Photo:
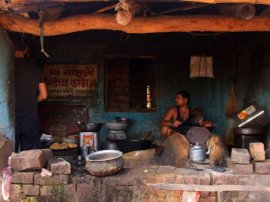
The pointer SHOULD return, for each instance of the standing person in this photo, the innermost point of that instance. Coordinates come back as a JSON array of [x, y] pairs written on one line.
[[30, 89]]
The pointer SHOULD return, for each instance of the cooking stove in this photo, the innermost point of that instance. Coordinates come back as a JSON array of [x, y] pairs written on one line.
[[117, 135]]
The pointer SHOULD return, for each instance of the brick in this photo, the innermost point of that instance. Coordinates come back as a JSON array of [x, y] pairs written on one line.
[[240, 156], [31, 190], [17, 197], [84, 193], [257, 151], [28, 160], [262, 167], [16, 189], [239, 169], [49, 190], [60, 166], [23, 177], [51, 180]]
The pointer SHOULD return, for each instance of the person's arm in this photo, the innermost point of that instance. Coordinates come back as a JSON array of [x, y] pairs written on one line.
[[207, 124], [169, 119], [42, 95]]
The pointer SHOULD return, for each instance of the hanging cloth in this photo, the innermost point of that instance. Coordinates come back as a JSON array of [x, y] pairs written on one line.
[[201, 66]]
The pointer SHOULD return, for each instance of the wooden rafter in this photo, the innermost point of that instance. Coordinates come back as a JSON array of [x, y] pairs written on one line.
[[266, 2], [140, 25], [107, 8]]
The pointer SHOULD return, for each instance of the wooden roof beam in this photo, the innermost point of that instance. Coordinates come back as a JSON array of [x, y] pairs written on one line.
[[139, 25], [266, 2]]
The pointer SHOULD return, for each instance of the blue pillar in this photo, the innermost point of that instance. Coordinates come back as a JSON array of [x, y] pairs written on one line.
[[7, 99]]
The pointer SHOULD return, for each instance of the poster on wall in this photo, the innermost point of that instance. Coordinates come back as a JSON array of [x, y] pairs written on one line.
[[70, 81]]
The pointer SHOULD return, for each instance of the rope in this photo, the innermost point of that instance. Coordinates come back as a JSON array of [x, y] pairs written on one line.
[[42, 40]]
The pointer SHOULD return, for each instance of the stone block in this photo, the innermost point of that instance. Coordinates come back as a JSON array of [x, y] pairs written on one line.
[[49, 190], [257, 152], [31, 190], [262, 167], [23, 177], [28, 160], [60, 166], [51, 180], [16, 189], [240, 156], [239, 169]]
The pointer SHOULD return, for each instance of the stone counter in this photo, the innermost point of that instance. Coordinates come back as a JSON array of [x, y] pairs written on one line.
[[130, 185]]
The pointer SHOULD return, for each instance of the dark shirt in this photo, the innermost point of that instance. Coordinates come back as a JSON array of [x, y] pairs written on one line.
[[185, 124], [28, 75]]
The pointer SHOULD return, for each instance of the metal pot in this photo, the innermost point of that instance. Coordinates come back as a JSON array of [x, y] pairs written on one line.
[[198, 152], [105, 162], [89, 127]]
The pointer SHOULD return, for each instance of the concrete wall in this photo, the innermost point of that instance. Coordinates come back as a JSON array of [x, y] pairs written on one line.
[[6, 86], [244, 54]]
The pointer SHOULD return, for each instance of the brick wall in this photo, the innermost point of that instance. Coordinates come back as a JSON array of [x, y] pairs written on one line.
[[130, 185]]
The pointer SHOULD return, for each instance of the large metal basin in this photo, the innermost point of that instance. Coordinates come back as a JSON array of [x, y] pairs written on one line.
[[105, 162]]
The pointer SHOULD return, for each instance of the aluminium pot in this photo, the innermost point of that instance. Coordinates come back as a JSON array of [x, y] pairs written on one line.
[[104, 162]]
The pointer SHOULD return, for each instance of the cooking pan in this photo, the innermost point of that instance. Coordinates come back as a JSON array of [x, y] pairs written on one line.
[[104, 162], [89, 127], [133, 145]]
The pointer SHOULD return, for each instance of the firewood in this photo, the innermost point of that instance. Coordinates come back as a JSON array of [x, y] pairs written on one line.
[[126, 10]]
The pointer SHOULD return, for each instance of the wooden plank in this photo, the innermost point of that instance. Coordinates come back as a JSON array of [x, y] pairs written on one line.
[[208, 188], [140, 25]]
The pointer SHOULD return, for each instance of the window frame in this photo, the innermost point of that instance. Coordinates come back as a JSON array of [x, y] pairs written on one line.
[[154, 96]]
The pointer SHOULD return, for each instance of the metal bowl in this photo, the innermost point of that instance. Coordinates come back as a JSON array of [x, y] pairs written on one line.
[[105, 162], [122, 120], [116, 126]]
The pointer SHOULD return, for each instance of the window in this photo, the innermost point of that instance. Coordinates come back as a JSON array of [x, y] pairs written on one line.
[[130, 84]]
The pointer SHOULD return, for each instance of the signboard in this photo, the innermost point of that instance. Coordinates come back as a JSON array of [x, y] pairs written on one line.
[[60, 120], [70, 81]]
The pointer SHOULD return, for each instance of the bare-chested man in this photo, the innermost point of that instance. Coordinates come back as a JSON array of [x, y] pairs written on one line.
[[179, 119]]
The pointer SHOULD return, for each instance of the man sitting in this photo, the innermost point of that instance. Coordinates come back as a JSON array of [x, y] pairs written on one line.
[[181, 120]]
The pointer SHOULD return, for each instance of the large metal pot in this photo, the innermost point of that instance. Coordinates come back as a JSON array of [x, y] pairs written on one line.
[[105, 162], [197, 153]]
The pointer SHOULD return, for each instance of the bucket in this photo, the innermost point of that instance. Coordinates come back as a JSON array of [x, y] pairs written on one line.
[[244, 136]]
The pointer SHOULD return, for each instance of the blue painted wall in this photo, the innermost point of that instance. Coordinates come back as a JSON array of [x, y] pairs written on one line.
[[245, 55], [6, 86]]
